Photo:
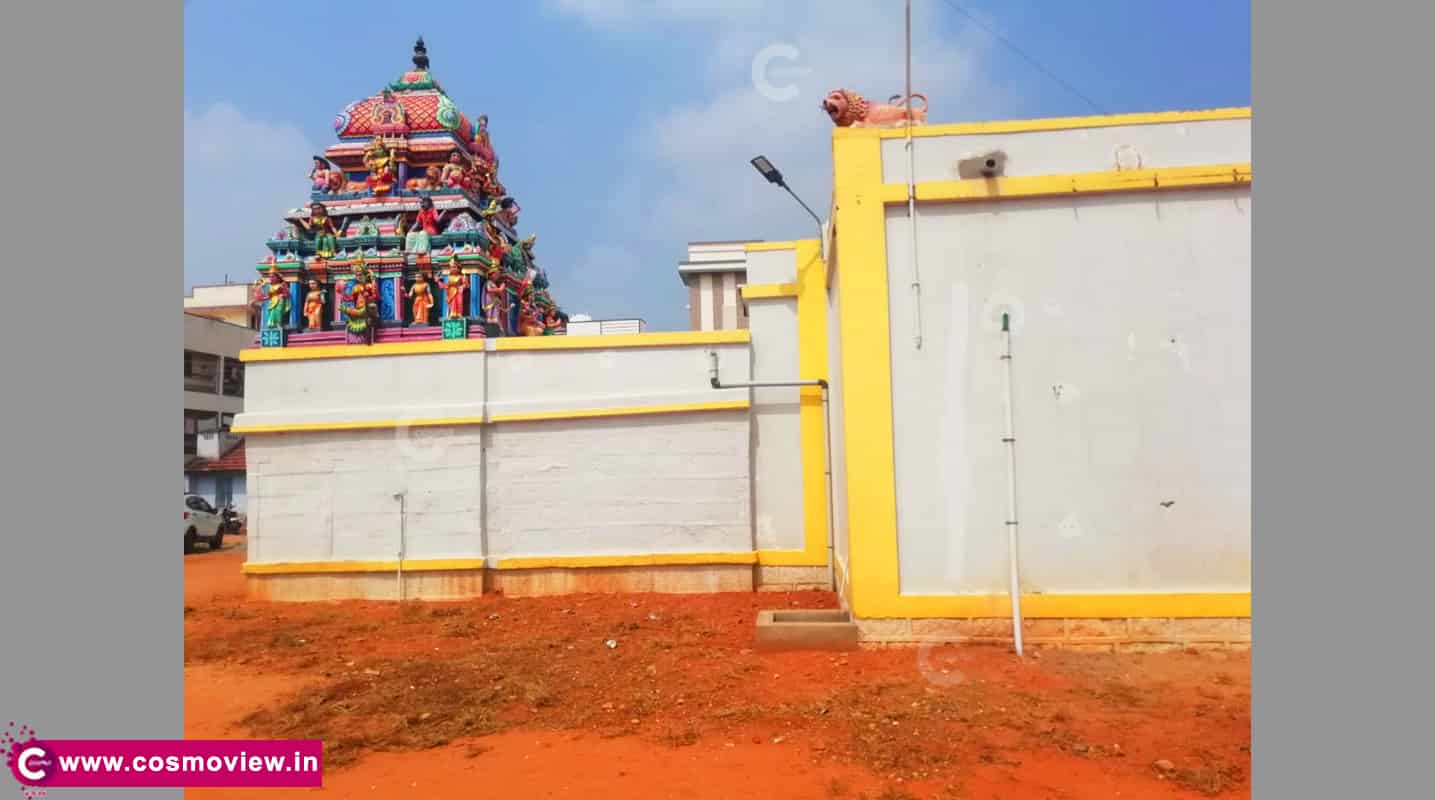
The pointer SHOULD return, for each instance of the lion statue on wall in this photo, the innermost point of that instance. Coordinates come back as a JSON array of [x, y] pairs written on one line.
[[848, 109]]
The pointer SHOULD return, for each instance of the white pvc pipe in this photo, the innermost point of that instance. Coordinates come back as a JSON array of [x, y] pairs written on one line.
[[1011, 525], [402, 521]]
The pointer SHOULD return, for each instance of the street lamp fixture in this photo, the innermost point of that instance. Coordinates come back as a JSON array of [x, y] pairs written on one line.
[[767, 170]]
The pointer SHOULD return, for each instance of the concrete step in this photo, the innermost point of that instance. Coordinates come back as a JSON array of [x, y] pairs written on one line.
[[805, 629]]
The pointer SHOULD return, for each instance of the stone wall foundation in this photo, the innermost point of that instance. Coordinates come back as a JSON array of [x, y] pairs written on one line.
[[791, 579], [1095, 635], [437, 585]]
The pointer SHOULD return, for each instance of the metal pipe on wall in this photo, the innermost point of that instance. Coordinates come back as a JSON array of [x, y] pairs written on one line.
[[1011, 525], [717, 383], [403, 519]]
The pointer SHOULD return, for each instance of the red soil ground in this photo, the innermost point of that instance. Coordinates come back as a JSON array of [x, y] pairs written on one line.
[[523, 698]]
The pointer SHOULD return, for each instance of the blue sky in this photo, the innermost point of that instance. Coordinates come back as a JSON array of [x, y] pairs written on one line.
[[625, 126]]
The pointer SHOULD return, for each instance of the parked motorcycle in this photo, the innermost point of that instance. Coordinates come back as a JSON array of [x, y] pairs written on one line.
[[230, 522]]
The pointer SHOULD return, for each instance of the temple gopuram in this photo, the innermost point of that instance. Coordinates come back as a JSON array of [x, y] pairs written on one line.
[[408, 233]]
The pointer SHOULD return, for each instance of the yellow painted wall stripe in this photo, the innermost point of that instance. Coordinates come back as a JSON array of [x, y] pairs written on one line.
[[812, 365], [1136, 180], [662, 339], [357, 425], [527, 416], [757, 291], [1057, 606], [1035, 606], [666, 339], [331, 567], [256, 354], [1049, 124], [588, 413], [762, 247], [644, 560]]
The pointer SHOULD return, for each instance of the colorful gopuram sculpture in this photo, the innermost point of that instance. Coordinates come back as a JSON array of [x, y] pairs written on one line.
[[276, 303], [406, 220], [423, 299], [314, 306]]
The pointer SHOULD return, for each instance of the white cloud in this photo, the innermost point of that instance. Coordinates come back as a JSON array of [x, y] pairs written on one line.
[[210, 139], [617, 12], [708, 190], [240, 176]]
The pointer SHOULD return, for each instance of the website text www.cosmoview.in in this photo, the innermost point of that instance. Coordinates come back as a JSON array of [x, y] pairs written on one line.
[[178, 763]]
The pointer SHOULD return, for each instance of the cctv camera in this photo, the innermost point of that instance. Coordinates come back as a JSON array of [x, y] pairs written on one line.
[[991, 164]]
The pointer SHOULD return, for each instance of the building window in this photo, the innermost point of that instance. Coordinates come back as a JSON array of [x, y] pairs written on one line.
[[201, 372], [233, 377], [194, 422]]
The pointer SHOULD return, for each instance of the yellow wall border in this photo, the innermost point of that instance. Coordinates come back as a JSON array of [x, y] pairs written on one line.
[[522, 562], [812, 365], [1068, 606], [514, 343], [1136, 180], [762, 247], [526, 416], [1035, 606], [632, 411], [1049, 124], [257, 354], [646, 560], [760, 291], [300, 427], [666, 339], [333, 567]]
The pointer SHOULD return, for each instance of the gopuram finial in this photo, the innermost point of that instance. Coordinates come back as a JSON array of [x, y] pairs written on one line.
[[421, 56]]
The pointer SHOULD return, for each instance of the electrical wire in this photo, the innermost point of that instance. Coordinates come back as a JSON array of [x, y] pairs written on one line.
[[1032, 61]]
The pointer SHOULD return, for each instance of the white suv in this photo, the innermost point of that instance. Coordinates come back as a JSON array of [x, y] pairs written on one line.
[[201, 523]]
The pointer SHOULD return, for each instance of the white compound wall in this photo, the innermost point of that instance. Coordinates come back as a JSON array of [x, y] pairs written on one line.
[[469, 441], [776, 411], [1131, 337]]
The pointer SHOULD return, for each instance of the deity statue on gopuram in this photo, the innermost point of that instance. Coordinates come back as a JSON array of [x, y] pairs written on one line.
[[405, 217]]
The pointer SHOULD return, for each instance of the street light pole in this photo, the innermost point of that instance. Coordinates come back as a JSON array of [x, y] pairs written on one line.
[[768, 171], [809, 211]]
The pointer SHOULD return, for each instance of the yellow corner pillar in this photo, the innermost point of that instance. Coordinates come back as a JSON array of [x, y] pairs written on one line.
[[866, 369]]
